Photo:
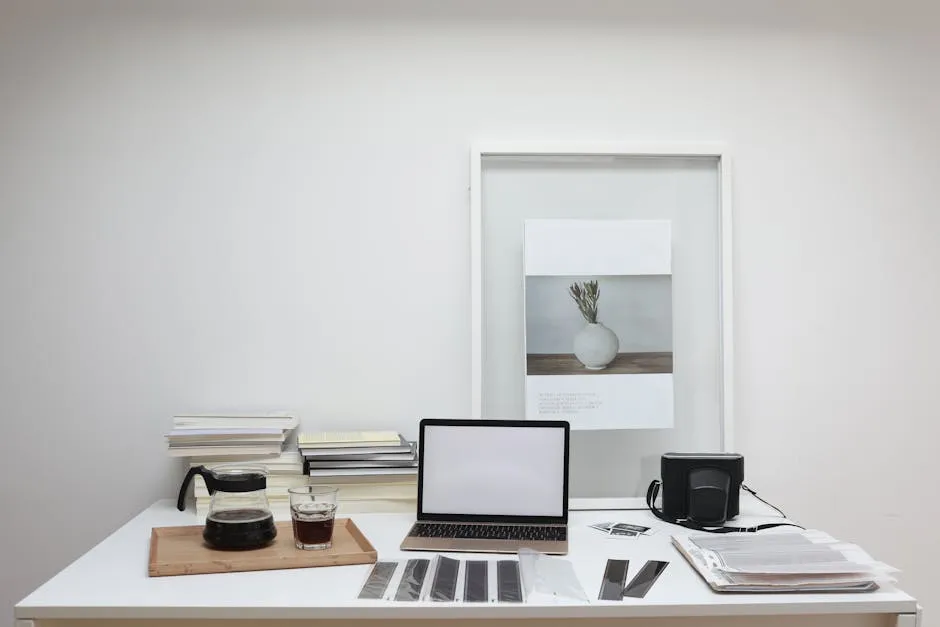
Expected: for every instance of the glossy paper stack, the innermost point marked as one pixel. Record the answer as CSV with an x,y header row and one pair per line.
x,y
783,561
375,471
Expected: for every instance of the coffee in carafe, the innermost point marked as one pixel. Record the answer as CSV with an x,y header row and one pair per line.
x,y
239,515
239,529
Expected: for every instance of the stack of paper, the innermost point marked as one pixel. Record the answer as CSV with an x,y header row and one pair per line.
x,y
286,463
791,561
363,453
216,435
374,470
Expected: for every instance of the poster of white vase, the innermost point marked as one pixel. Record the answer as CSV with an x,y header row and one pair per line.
x,y
598,323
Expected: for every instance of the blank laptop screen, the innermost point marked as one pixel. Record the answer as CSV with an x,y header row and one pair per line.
x,y
498,471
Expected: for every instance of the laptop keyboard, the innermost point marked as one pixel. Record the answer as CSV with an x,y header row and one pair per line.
x,y
532,533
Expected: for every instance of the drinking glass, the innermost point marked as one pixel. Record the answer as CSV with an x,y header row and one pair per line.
x,y
312,510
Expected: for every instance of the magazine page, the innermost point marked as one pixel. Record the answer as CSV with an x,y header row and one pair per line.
x,y
598,323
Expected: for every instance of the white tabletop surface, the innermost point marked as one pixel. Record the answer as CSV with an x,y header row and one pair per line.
x,y
111,581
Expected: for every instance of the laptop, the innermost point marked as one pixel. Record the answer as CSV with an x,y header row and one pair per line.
x,y
491,486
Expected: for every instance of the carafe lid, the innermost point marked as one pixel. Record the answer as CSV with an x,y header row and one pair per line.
x,y
239,477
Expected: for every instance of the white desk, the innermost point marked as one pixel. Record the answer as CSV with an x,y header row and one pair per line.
x,y
109,586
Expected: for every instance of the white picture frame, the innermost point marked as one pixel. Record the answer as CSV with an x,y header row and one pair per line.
x,y
586,149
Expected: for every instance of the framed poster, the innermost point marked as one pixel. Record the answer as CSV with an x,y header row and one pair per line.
x,y
526,314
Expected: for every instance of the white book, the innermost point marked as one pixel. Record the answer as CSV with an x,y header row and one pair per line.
x,y
357,452
227,442
341,480
355,491
208,421
349,439
224,431
361,472
286,462
375,454
218,451
360,463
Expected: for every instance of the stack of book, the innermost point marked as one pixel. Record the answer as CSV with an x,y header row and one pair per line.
x,y
374,470
208,436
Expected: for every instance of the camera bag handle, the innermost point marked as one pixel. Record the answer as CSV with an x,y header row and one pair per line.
x,y
653,492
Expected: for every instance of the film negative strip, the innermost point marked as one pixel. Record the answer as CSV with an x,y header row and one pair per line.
x,y
444,584
476,587
377,581
508,583
412,580
644,580
445,579
614,580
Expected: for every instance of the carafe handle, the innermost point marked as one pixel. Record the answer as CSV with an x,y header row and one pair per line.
x,y
193,471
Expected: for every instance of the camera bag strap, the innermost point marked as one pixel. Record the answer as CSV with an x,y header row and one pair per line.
x,y
653,492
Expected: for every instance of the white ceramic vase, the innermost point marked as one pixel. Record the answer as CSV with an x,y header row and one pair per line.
x,y
595,346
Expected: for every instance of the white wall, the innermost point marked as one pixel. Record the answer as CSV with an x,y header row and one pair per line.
x,y
248,204
637,308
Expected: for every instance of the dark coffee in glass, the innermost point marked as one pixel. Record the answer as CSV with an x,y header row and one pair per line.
x,y
313,531
313,510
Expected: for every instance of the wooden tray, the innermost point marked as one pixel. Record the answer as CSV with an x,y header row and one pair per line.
x,y
181,551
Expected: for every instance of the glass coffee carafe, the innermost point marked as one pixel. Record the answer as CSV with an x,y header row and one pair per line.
x,y
239,514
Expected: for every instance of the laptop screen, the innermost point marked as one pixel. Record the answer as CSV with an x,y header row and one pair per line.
x,y
494,470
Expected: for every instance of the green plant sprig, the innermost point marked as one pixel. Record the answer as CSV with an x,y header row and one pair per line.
x,y
585,294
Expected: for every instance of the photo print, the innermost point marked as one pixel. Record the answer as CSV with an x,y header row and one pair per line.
x,y
598,323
